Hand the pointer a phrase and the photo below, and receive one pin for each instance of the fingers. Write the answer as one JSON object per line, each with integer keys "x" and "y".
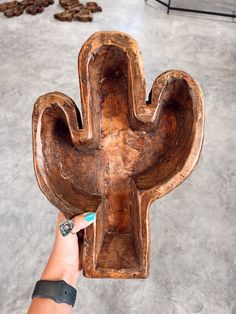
{"x": 80, "y": 221}
{"x": 83, "y": 221}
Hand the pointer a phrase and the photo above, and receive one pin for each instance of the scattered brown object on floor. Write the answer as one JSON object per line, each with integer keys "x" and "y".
{"x": 84, "y": 15}
{"x": 3, "y": 6}
{"x": 34, "y": 9}
{"x": 16, "y": 8}
{"x": 127, "y": 153}
{"x": 74, "y": 10}
{"x": 65, "y": 16}
{"x": 7, "y": 5}
{"x": 38, "y": 6}
{"x": 68, "y": 3}
{"x": 76, "y": 6}
{"x": 13, "y": 12}
{"x": 93, "y": 7}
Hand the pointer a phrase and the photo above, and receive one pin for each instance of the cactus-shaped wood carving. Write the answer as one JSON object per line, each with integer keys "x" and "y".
{"x": 126, "y": 153}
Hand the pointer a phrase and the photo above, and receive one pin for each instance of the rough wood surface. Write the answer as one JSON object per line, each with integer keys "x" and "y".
{"x": 125, "y": 154}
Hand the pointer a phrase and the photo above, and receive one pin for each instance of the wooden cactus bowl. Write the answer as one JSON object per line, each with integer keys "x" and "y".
{"x": 126, "y": 153}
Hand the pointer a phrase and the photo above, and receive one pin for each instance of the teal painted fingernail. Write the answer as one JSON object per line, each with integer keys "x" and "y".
{"x": 89, "y": 217}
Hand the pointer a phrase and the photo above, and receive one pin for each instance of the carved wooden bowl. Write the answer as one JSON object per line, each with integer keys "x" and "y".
{"x": 126, "y": 153}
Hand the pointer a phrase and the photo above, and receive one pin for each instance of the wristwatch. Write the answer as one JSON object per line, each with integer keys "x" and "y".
{"x": 59, "y": 291}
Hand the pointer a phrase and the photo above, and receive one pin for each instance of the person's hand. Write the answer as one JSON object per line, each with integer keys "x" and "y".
{"x": 63, "y": 262}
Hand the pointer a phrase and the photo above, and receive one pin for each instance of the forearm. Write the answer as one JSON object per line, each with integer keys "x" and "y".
{"x": 55, "y": 270}
{"x": 43, "y": 305}
{"x": 63, "y": 264}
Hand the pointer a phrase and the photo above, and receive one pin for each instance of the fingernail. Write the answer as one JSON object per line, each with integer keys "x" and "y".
{"x": 89, "y": 217}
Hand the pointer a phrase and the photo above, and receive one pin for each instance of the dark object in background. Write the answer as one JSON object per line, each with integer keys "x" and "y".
{"x": 16, "y": 8}
{"x": 65, "y": 16}
{"x": 93, "y": 7}
{"x": 74, "y": 10}
{"x": 84, "y": 15}
{"x": 7, "y": 5}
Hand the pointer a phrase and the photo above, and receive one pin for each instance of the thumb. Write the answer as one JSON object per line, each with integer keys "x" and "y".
{"x": 83, "y": 221}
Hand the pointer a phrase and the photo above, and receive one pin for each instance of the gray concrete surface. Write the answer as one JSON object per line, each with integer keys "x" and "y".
{"x": 193, "y": 236}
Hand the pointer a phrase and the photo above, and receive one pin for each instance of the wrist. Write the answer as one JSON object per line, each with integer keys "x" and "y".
{"x": 59, "y": 270}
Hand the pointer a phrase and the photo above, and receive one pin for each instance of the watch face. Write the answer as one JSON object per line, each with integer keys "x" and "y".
{"x": 66, "y": 227}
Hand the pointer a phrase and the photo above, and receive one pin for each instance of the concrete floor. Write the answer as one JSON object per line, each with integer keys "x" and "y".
{"x": 193, "y": 237}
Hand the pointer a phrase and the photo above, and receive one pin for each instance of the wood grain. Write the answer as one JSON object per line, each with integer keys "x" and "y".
{"x": 126, "y": 153}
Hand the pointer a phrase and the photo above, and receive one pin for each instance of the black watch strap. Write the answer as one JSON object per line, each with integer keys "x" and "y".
{"x": 59, "y": 291}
